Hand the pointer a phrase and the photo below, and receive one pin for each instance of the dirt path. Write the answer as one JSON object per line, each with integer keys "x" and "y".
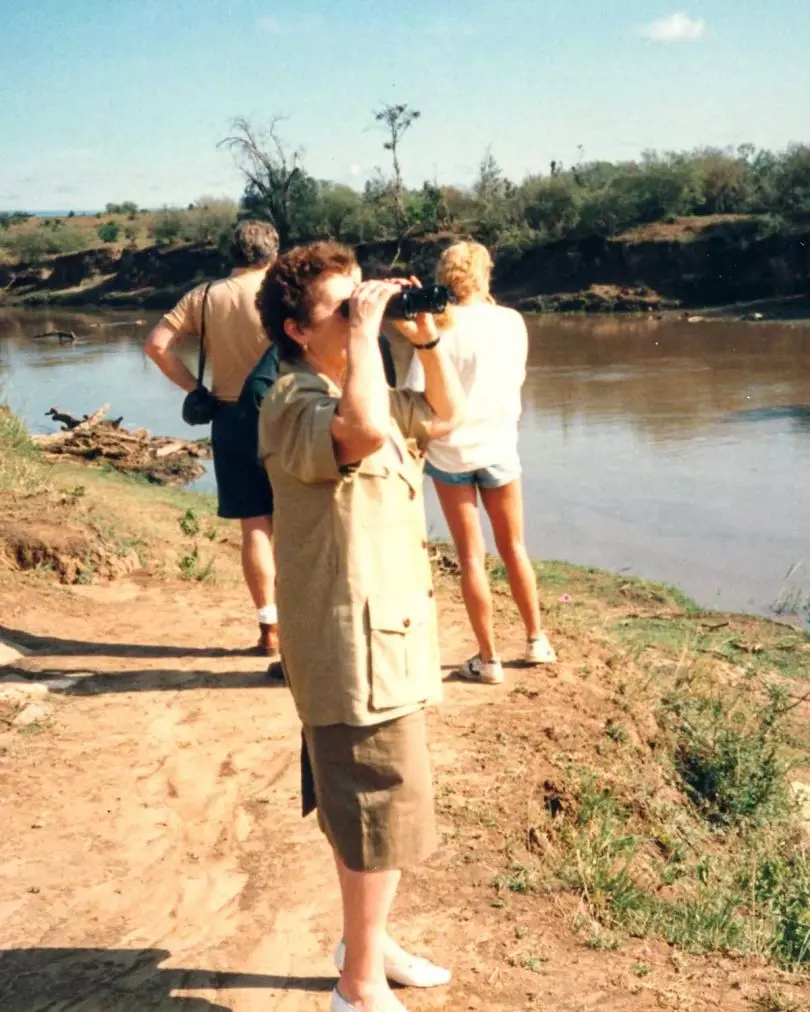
{"x": 152, "y": 842}
{"x": 152, "y": 856}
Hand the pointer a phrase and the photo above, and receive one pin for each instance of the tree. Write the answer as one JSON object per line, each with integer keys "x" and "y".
{"x": 397, "y": 120}
{"x": 128, "y": 207}
{"x": 491, "y": 185}
{"x": 724, "y": 180}
{"x": 550, "y": 206}
{"x": 494, "y": 211}
{"x": 339, "y": 212}
{"x": 275, "y": 178}
{"x": 793, "y": 181}
{"x": 109, "y": 231}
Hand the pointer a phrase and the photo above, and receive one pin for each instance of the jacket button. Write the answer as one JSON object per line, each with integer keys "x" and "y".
{"x": 430, "y": 592}
{"x": 406, "y": 622}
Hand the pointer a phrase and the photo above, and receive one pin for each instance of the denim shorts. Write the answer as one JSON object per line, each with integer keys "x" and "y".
{"x": 495, "y": 476}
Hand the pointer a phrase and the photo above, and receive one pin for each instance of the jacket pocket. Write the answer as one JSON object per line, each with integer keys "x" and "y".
{"x": 399, "y": 649}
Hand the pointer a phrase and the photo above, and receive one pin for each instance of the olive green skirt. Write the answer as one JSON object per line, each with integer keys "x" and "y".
{"x": 373, "y": 789}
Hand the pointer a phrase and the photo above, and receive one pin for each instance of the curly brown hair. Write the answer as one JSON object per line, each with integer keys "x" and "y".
{"x": 285, "y": 291}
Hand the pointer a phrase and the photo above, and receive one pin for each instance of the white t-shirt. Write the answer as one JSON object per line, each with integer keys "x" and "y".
{"x": 488, "y": 345}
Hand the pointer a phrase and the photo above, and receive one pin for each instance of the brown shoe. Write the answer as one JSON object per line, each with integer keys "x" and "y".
{"x": 275, "y": 673}
{"x": 268, "y": 644}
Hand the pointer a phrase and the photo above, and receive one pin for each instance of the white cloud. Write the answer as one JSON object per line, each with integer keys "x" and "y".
{"x": 675, "y": 28}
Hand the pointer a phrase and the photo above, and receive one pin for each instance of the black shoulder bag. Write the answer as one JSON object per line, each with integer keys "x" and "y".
{"x": 200, "y": 406}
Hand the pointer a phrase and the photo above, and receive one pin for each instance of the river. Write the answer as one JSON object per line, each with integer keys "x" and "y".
{"x": 674, "y": 451}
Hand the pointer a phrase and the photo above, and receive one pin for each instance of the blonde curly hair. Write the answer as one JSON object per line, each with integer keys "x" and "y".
{"x": 465, "y": 267}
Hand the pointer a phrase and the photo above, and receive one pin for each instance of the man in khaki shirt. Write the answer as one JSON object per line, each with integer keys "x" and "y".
{"x": 234, "y": 342}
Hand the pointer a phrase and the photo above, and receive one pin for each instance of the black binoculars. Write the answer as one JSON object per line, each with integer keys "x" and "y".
{"x": 410, "y": 301}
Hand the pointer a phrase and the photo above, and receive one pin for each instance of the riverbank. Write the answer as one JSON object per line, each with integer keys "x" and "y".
{"x": 619, "y": 830}
{"x": 732, "y": 265}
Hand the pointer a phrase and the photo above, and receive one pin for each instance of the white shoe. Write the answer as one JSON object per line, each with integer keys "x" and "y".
{"x": 339, "y": 1003}
{"x": 540, "y": 651}
{"x": 476, "y": 670}
{"x": 402, "y": 968}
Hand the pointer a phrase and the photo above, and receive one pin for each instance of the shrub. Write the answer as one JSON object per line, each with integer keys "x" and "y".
{"x": 33, "y": 247}
{"x": 109, "y": 231}
{"x": 549, "y": 206}
{"x": 169, "y": 226}
{"x": 731, "y": 754}
{"x": 209, "y": 221}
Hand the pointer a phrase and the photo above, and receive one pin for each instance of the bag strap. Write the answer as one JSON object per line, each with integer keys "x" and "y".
{"x": 201, "y": 361}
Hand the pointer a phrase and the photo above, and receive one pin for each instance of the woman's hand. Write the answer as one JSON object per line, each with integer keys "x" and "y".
{"x": 367, "y": 306}
{"x": 422, "y": 329}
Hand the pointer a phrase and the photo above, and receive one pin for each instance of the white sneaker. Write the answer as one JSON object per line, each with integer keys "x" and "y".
{"x": 403, "y": 968}
{"x": 339, "y": 1003}
{"x": 476, "y": 670}
{"x": 540, "y": 651}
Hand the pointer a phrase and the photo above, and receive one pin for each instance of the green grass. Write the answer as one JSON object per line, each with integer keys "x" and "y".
{"x": 19, "y": 458}
{"x": 193, "y": 567}
{"x": 731, "y": 750}
{"x": 119, "y": 512}
{"x": 190, "y": 523}
{"x": 775, "y": 1000}
{"x": 757, "y": 646}
{"x": 724, "y": 869}
{"x": 752, "y": 898}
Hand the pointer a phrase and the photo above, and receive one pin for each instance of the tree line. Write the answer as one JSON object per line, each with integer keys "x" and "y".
{"x": 596, "y": 198}
{"x": 590, "y": 198}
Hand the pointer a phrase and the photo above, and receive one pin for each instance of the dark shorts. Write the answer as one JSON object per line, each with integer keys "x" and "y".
{"x": 243, "y": 488}
{"x": 373, "y": 790}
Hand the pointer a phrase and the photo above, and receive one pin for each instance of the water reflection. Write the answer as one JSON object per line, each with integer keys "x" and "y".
{"x": 669, "y": 380}
{"x": 677, "y": 451}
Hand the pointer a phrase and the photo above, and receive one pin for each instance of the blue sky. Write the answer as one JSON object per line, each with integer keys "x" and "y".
{"x": 111, "y": 100}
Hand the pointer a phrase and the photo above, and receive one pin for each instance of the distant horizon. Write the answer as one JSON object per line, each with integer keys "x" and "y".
{"x": 182, "y": 206}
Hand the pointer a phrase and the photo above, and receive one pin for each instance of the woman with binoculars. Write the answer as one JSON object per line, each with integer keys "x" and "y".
{"x": 488, "y": 345}
{"x": 357, "y": 616}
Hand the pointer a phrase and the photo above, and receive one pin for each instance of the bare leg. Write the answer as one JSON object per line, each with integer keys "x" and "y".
{"x": 367, "y": 901}
{"x": 460, "y": 507}
{"x": 258, "y": 564}
{"x": 505, "y": 509}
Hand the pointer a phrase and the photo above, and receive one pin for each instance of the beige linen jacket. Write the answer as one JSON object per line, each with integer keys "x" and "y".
{"x": 357, "y": 615}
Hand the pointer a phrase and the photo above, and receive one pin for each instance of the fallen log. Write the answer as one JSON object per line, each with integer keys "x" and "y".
{"x": 90, "y": 420}
{"x": 62, "y": 336}
{"x": 96, "y": 440}
{"x": 71, "y": 422}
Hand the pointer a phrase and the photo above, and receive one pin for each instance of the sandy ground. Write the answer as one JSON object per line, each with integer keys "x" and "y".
{"x": 152, "y": 854}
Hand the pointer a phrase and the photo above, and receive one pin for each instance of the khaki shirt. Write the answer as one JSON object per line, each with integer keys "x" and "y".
{"x": 357, "y": 616}
{"x": 234, "y": 337}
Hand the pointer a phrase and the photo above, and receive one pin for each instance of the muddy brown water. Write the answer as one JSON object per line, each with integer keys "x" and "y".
{"x": 674, "y": 451}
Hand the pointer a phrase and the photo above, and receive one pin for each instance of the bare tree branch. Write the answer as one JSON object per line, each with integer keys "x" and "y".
{"x": 269, "y": 168}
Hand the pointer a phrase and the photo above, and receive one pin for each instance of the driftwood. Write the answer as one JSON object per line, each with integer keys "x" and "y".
{"x": 63, "y": 336}
{"x": 94, "y": 439}
{"x": 86, "y": 422}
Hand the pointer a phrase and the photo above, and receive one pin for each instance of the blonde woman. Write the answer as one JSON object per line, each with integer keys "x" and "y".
{"x": 488, "y": 345}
